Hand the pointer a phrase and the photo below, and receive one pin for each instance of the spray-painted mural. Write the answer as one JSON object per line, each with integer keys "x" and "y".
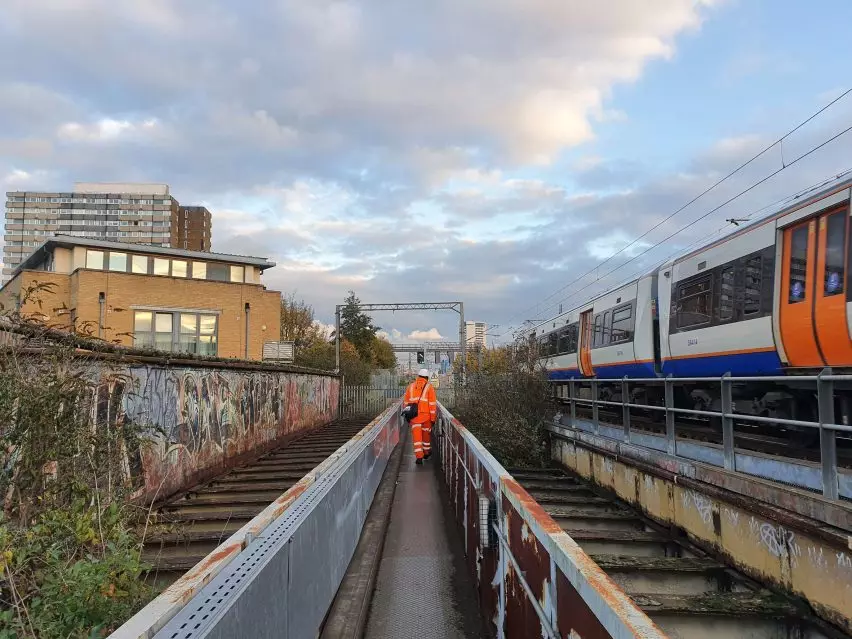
{"x": 199, "y": 422}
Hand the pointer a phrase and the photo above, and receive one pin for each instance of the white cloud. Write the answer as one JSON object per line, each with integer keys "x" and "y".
{"x": 105, "y": 130}
{"x": 431, "y": 335}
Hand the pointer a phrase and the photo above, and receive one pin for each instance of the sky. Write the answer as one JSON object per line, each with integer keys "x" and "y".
{"x": 494, "y": 152}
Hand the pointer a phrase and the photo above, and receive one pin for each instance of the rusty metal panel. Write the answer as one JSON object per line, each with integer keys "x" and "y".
{"x": 536, "y": 581}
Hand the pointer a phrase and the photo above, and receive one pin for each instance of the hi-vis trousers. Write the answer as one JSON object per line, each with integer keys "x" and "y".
{"x": 421, "y": 436}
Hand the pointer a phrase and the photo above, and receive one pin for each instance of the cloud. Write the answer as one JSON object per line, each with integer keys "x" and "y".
{"x": 431, "y": 335}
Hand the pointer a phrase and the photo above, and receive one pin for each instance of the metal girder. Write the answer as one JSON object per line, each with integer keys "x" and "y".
{"x": 432, "y": 347}
{"x": 412, "y": 306}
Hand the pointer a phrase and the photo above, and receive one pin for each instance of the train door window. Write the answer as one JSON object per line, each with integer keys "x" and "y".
{"x": 694, "y": 302}
{"x": 622, "y": 324}
{"x": 834, "y": 243}
{"x": 726, "y": 295}
{"x": 798, "y": 265}
{"x": 607, "y": 329}
{"x": 751, "y": 283}
{"x": 598, "y": 338}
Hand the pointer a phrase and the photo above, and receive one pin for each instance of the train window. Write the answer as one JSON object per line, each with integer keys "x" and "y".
{"x": 552, "y": 344}
{"x": 607, "y": 329}
{"x": 726, "y": 295}
{"x": 575, "y": 336}
{"x": 622, "y": 324}
{"x": 598, "y": 338}
{"x": 694, "y": 302}
{"x": 753, "y": 273}
{"x": 542, "y": 346}
{"x": 834, "y": 243}
{"x": 798, "y": 265}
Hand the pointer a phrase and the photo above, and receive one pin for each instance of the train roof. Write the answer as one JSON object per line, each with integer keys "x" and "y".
{"x": 801, "y": 199}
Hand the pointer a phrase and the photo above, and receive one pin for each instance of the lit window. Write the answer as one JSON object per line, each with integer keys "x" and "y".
{"x": 143, "y": 335}
{"x": 118, "y": 262}
{"x": 161, "y": 266}
{"x": 163, "y": 331}
{"x": 178, "y": 268}
{"x": 95, "y": 260}
{"x": 188, "y": 338}
{"x": 199, "y": 270}
{"x": 140, "y": 264}
{"x": 237, "y": 273}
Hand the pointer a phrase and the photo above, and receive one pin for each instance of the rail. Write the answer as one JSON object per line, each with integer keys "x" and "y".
{"x": 278, "y": 575}
{"x": 534, "y": 580}
{"x": 826, "y": 425}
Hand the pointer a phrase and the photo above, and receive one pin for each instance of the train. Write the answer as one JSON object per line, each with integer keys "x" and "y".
{"x": 770, "y": 300}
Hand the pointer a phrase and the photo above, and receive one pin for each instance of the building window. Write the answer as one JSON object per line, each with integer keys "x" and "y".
{"x": 178, "y": 268}
{"x": 161, "y": 266}
{"x": 176, "y": 332}
{"x": 95, "y": 260}
{"x": 237, "y": 273}
{"x": 199, "y": 270}
{"x": 140, "y": 264}
{"x": 118, "y": 262}
{"x": 218, "y": 272}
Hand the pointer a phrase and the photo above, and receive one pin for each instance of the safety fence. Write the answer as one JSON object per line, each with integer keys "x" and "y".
{"x": 533, "y": 579}
{"x": 826, "y": 478}
{"x": 371, "y": 400}
{"x": 278, "y": 575}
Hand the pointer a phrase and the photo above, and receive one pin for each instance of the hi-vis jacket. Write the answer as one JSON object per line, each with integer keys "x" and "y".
{"x": 427, "y": 408}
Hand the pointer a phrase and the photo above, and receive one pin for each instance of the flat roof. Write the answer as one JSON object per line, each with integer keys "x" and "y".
{"x": 68, "y": 241}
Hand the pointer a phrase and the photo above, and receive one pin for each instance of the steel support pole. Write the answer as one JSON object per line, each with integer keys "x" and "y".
{"x": 827, "y": 437}
{"x": 595, "y": 419}
{"x": 671, "y": 435}
{"x": 625, "y": 409}
{"x": 337, "y": 339}
{"x": 462, "y": 342}
{"x": 728, "y": 423}
{"x": 572, "y": 391}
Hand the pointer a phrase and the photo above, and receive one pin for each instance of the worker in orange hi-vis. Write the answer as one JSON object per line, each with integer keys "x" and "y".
{"x": 421, "y": 411}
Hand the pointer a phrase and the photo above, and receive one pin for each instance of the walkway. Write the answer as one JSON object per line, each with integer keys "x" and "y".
{"x": 423, "y": 587}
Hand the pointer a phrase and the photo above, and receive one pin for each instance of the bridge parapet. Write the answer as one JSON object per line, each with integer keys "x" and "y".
{"x": 534, "y": 580}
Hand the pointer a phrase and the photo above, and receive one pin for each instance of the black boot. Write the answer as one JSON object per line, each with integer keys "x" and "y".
{"x": 427, "y": 455}
{"x": 419, "y": 462}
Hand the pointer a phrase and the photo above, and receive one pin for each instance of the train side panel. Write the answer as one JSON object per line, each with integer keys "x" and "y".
{"x": 644, "y": 346}
{"x": 614, "y": 325}
{"x": 719, "y": 316}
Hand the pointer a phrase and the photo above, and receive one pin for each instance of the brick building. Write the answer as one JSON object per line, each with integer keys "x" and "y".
{"x": 156, "y": 297}
{"x": 133, "y": 213}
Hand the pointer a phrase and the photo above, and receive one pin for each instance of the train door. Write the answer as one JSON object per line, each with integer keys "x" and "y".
{"x": 813, "y": 292}
{"x": 586, "y": 344}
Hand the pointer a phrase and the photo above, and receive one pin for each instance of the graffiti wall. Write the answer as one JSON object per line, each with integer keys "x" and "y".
{"x": 199, "y": 422}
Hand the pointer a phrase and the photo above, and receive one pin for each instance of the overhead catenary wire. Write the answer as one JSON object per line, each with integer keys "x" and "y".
{"x": 536, "y": 307}
{"x": 710, "y": 212}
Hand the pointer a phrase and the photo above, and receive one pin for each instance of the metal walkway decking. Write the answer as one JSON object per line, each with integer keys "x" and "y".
{"x": 423, "y": 587}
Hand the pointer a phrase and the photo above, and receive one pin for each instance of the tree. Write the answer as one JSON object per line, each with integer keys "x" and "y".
{"x": 382, "y": 354}
{"x": 357, "y": 327}
{"x": 297, "y": 323}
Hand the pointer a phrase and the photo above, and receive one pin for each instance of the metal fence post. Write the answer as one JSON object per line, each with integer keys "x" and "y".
{"x": 572, "y": 392}
{"x": 625, "y": 409}
{"x": 671, "y": 436}
{"x": 595, "y": 420}
{"x": 827, "y": 438}
{"x": 728, "y": 422}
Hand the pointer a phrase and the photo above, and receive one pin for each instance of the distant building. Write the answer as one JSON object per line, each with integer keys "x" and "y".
{"x": 476, "y": 334}
{"x": 134, "y": 213}
{"x": 152, "y": 297}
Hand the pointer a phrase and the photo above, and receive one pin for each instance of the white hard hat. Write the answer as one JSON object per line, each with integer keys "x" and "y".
{"x": 423, "y": 373}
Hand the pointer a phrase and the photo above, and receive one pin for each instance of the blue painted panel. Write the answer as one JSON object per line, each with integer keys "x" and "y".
{"x": 738, "y": 364}
{"x": 563, "y": 373}
{"x": 617, "y": 371}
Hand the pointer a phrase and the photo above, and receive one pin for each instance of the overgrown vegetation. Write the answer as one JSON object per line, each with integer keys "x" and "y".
{"x": 361, "y": 350}
{"x": 506, "y": 404}
{"x": 70, "y": 564}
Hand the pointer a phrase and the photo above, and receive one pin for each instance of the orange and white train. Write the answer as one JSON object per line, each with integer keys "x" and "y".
{"x": 771, "y": 299}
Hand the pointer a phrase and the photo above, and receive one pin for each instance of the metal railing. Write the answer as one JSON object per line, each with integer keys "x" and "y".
{"x": 372, "y": 400}
{"x": 826, "y": 425}
{"x": 510, "y": 541}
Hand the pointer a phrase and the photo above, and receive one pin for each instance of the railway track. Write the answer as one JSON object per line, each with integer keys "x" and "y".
{"x": 686, "y": 592}
{"x": 186, "y": 529}
{"x": 746, "y": 436}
